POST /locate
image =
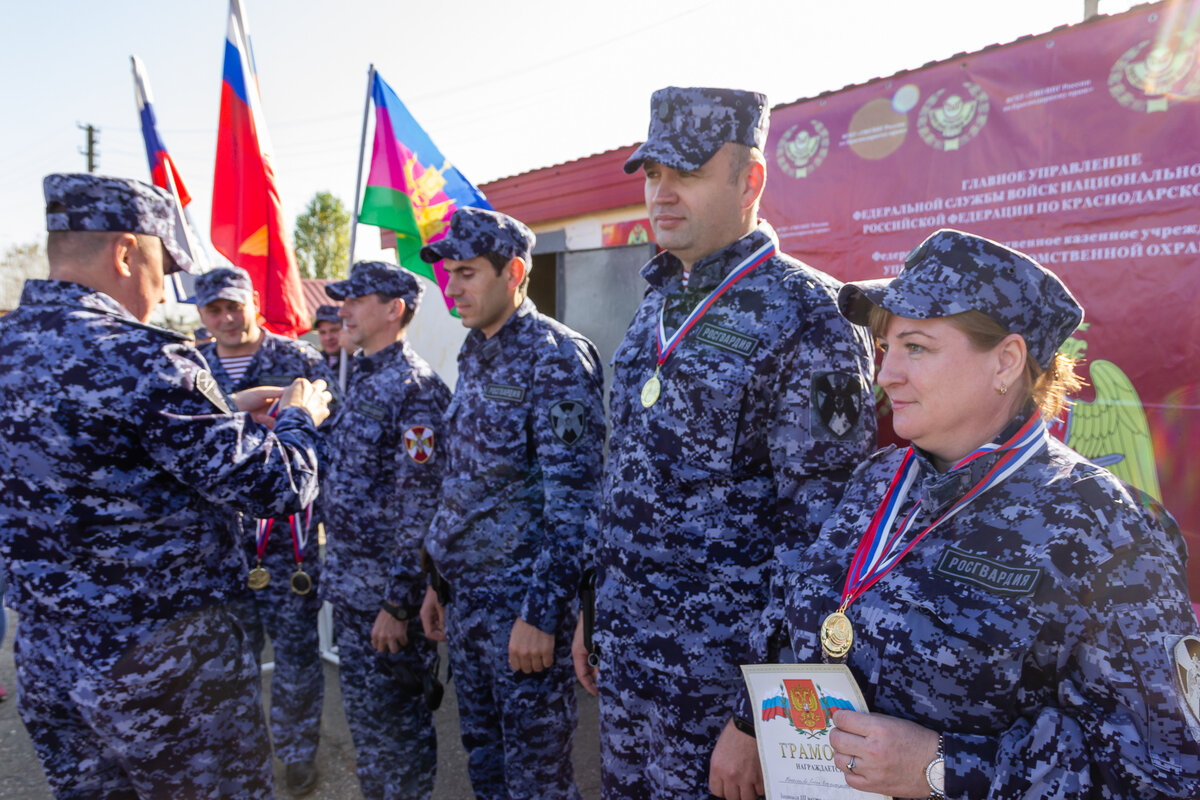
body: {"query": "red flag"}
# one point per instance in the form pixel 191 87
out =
pixel 247 216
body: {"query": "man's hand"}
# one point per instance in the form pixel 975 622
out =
pixel 433 616
pixel 258 401
pixel 529 649
pixel 584 671
pixel 312 397
pixel 890 754
pixel 389 633
pixel 734 771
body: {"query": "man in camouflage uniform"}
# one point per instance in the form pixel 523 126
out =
pixel 328 326
pixel 286 608
pixel 378 496
pixel 730 443
pixel 523 454
pixel 122 468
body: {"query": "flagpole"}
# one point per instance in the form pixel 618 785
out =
pixel 362 148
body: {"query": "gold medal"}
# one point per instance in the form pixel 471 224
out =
pixel 837 634
pixel 301 582
pixel 259 578
pixel 651 390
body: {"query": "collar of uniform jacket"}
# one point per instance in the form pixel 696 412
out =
pixel 65 293
pixel 940 490
pixel 378 359
pixel 39 292
pixel 490 348
pixel 709 271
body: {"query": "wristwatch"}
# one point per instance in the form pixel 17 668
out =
pixel 935 775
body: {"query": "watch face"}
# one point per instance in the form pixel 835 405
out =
pixel 937 775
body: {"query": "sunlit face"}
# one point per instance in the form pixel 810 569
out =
pixel 232 324
pixel 370 321
pixel 327 334
pixel 942 390
pixel 694 212
pixel 484 299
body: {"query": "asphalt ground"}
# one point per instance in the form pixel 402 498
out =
pixel 21 776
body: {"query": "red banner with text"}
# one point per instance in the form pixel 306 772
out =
pixel 1080 147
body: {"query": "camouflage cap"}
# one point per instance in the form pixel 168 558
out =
pixel 224 283
pixel 476 231
pixel 952 272
pixel 85 202
pixel 326 313
pixel 378 277
pixel 689 125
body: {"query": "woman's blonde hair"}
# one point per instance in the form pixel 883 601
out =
pixel 1047 388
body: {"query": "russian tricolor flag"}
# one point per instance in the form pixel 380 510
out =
pixel 156 152
pixel 247 216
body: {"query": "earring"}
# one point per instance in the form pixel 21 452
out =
pixel 1003 388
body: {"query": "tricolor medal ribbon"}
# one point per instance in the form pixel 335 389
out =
pixel 301 581
pixel 878 552
pixel 666 344
pixel 259 577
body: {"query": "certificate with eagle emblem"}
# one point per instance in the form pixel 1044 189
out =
pixel 793 714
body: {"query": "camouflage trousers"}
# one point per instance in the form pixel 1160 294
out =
pixel 144 711
pixel 517 729
pixel 657 730
pixel 393 732
pixel 298 682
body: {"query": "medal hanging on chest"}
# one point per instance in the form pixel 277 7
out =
pixel 652 388
pixel 259 578
pixel 878 552
pixel 301 581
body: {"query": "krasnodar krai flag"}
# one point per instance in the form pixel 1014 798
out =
pixel 247 216
pixel 412 189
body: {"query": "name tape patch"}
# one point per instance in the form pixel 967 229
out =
pixel 509 394
pixel 991 575
pixel 377 413
pixel 728 340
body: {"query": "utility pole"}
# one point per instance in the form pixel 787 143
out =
pixel 93 139
pixel 1091 8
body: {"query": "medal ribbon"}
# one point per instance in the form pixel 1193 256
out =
pixel 261 534
pixel 667 344
pixel 878 552
pixel 300 532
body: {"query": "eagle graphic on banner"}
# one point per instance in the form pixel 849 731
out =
pixel 1112 430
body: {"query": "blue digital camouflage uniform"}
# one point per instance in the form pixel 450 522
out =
pixel 1036 629
pixel 120 479
pixel 384 453
pixel 290 619
pixel 765 409
pixel 523 449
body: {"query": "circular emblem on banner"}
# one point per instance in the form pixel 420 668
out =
pixel 418 443
pixel 568 421
pixel 951 117
pixel 802 148
pixel 1150 75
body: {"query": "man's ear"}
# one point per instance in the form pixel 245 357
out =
pixel 396 308
pixel 121 250
pixel 753 181
pixel 516 275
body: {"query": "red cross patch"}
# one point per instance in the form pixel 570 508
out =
pixel 418 443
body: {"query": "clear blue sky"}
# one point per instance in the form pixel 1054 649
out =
pixel 501 87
